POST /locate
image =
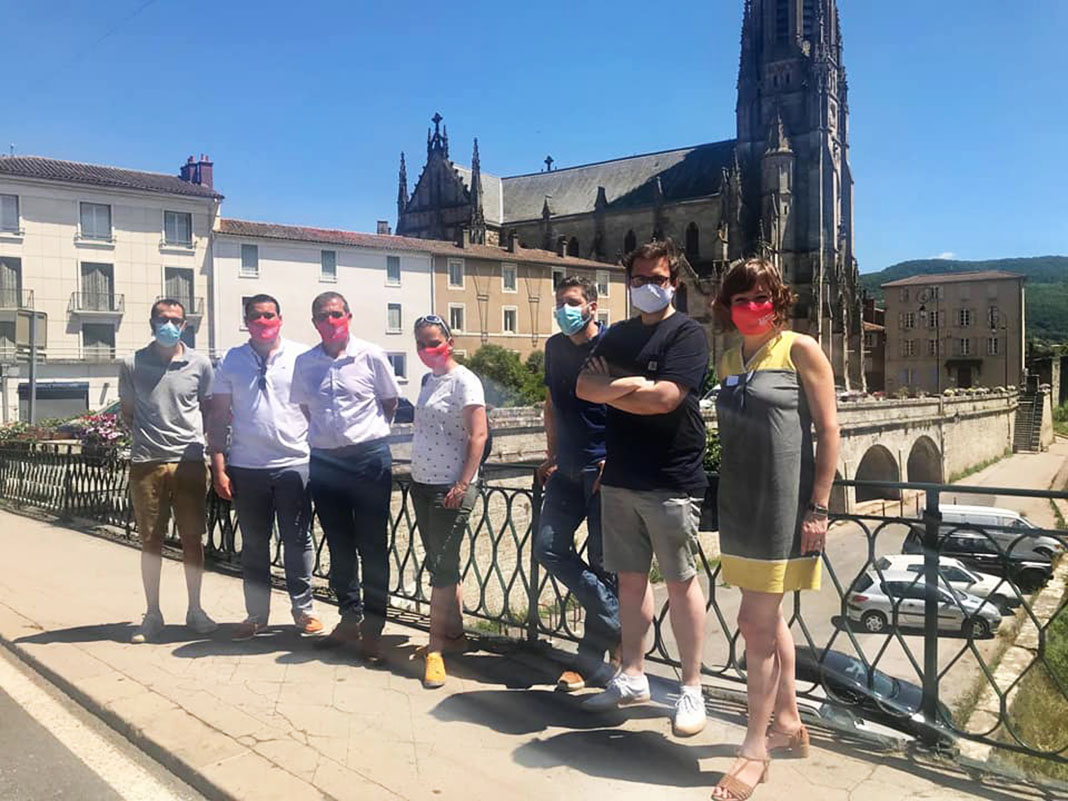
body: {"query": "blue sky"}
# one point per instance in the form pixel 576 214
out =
pixel 958 115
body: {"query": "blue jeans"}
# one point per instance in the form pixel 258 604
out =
pixel 351 487
pixel 569 497
pixel 260 497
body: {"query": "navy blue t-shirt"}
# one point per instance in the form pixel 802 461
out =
pixel 579 424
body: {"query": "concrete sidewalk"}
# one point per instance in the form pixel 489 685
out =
pixel 276 718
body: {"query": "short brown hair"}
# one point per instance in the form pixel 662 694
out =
pixel 656 250
pixel 166 302
pixel 744 275
pixel 588 287
pixel 325 297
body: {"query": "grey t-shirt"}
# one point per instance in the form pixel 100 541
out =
pixel 167 423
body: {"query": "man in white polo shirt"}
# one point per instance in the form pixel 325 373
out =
pixel 266 472
pixel 349 393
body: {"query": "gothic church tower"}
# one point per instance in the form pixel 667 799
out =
pixel 796 188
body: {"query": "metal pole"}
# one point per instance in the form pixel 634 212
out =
pixel 932 517
pixel 535 568
pixel 33 364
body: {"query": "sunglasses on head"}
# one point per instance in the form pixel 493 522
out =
pixel 433 319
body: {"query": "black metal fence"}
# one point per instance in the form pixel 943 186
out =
pixel 909 630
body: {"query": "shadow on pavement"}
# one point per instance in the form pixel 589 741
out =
pixel 121 633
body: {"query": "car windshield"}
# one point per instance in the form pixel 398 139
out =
pixel 881 684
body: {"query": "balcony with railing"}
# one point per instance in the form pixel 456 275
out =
pixel 14 299
pixel 97 304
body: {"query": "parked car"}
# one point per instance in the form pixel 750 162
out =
pixel 1027 568
pixel 955 575
pixel 899 599
pixel 1008 528
pixel 883 699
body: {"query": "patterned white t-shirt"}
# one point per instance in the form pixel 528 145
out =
pixel 439 441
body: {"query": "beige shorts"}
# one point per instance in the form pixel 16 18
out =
pixel 637 524
pixel 158 487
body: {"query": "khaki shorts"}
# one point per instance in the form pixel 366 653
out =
pixel 637 524
pixel 158 487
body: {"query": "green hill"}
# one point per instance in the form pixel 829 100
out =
pixel 1046 290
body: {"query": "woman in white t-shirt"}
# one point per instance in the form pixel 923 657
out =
pixel 449 436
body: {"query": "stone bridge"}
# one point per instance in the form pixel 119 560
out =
pixel 917 439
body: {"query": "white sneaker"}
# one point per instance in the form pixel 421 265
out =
pixel 198 621
pixel 690 717
pixel 150 629
pixel 622 690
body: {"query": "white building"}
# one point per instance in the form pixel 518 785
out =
pixel 89 249
pixel 386 280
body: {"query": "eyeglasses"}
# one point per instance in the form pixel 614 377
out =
pixel 335 315
pixel 433 319
pixel 641 280
pixel 262 380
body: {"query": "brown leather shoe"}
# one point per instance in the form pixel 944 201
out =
pixel 346 634
pixel 570 681
pixel 308 625
pixel 796 745
pixel 371 648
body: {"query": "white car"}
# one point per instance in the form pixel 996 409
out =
pixel 954 574
pixel 1007 528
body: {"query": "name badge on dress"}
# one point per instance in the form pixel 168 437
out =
pixel 732 380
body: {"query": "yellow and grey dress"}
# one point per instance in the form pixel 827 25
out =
pixel 767 470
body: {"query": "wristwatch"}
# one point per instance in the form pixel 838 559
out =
pixel 818 509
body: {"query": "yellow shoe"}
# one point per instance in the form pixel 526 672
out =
pixel 434 676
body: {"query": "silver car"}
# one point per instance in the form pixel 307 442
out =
pixel 899 599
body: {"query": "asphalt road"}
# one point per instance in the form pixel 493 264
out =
pixel 51 748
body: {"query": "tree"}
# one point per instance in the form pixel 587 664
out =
pixel 507 381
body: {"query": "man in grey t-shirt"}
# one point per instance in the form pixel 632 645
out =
pixel 163 389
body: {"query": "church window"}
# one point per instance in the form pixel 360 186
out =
pixel 782 20
pixel 809 20
pixel 693 246
pixel 630 242
pixel 572 246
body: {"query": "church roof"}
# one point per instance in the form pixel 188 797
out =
pixel 953 278
pixel 689 172
pixel 75 172
pixel 358 239
pixel 492 195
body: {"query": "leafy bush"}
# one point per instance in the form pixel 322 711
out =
pixel 506 379
pixel 713 450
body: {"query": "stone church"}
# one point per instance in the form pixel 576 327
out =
pixel 783 188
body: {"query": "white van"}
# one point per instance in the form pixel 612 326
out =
pixel 1004 526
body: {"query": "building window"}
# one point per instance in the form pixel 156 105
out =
pixel 510 324
pixel 178 285
pixel 630 242
pixel 573 247
pixel 96 221
pixel 98 342
pixel 693 241
pixel 604 318
pixel 244 302
pixel 98 287
pixel 904 295
pixel 400 365
pixel 456 273
pixel 965 345
pixel 328 265
pixel 456 316
pixel 250 261
pixel 992 346
pixel 908 347
pixel 869 340
pixel 10 283
pixel 908 320
pixel 964 317
pixel 9 212
pixel 993 316
pixel 509 278
pixel 934 319
pixel 558 276
pixel 178 228
pixel 602 283
pixel 393 277
pixel 932 347
pixel 393 318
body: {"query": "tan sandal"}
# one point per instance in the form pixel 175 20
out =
pixel 797 744
pixel 739 790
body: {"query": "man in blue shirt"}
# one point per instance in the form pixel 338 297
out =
pixel 574 431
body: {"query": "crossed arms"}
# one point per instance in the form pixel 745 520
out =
pixel 632 393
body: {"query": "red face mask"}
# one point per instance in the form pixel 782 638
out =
pixel 436 358
pixel 263 330
pixel 333 329
pixel 753 319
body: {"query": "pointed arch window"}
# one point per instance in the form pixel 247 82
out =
pixel 782 21
pixel 573 246
pixel 630 242
pixel 693 243
pixel 809 19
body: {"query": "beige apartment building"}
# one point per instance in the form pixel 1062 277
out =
pixel 954 330
pixel 86 250
pixel 506 295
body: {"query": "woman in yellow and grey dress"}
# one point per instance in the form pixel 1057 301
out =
pixel 776 386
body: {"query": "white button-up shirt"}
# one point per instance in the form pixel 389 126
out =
pixel 344 395
pixel 268 430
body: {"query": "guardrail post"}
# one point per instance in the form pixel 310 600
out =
pixel 932 519
pixel 67 502
pixel 535 568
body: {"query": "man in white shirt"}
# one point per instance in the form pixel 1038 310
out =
pixel 266 471
pixel 348 392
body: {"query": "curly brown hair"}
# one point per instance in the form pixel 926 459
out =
pixel 656 250
pixel 745 275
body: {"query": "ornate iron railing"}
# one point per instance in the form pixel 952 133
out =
pixel 929 659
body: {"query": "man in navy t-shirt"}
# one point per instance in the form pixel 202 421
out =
pixel 574 430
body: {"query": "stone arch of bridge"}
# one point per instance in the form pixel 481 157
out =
pixel 878 464
pixel 925 461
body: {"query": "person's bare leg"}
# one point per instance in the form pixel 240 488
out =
pixel 151 566
pixel 635 618
pixel 687 612
pixel 786 717
pixel 193 562
pixel 758 620
pixel 444 613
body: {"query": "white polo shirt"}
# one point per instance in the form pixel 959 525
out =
pixel 268 430
pixel 344 395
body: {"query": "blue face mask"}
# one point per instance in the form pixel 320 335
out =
pixel 571 319
pixel 168 334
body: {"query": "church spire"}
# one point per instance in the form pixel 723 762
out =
pixel 437 142
pixel 402 188
pixel 478 218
